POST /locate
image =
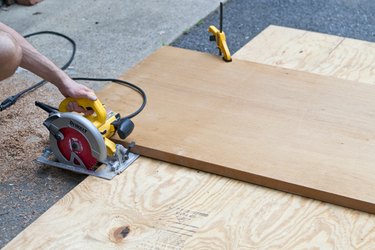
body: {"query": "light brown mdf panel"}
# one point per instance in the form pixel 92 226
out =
pixel 289 130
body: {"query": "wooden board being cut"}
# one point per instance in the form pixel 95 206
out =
pixel 284 129
pixel 240 215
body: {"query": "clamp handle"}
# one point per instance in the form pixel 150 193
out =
pixel 98 118
pixel 221 42
pixel 219 36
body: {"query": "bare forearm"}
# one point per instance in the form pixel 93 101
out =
pixel 43 67
pixel 35 62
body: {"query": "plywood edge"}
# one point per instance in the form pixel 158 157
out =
pixel 289 29
pixel 300 31
pixel 264 181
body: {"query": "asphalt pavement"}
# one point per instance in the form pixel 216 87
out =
pixel 244 19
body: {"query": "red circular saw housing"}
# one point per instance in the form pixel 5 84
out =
pixel 75 142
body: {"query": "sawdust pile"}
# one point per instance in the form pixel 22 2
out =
pixel 27 189
pixel 23 134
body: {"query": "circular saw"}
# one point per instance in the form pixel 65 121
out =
pixel 81 143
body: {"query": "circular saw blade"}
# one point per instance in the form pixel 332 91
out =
pixel 75 148
pixel 82 145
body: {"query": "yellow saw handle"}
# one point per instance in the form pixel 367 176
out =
pixel 98 118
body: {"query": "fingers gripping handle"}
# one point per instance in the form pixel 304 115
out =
pixel 99 116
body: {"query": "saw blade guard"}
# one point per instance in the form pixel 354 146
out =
pixel 81 143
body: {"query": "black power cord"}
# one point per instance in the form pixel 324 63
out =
pixel 12 99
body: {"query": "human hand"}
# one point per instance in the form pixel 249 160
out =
pixel 73 89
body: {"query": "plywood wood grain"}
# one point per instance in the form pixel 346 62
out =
pixel 312 52
pixel 289 48
pixel 155 205
pixel 283 129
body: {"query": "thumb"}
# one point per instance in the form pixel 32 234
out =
pixel 91 96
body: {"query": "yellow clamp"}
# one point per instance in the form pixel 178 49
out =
pixel 221 42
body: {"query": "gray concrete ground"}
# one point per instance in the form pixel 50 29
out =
pixel 113 37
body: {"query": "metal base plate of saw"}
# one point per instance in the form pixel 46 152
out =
pixel 106 171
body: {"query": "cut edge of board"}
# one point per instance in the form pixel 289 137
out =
pixel 260 180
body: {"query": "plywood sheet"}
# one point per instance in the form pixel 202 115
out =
pixel 155 205
pixel 283 129
pixel 312 52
